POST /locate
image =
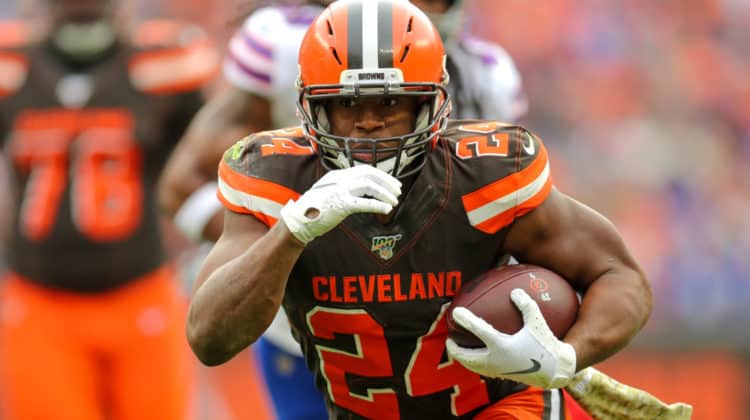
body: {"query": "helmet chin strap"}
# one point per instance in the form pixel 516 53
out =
pixel 84 42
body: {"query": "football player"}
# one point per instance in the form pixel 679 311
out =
pixel 367 219
pixel 259 94
pixel 93 319
pixel 261 68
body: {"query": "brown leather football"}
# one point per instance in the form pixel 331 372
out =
pixel 488 297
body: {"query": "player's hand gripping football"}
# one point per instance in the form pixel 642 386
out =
pixel 339 193
pixel 533 355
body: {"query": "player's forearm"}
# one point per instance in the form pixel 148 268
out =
pixel 195 160
pixel 181 176
pixel 213 229
pixel 238 301
pixel 169 199
pixel 613 310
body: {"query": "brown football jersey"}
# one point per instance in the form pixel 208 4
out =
pixel 85 145
pixel 366 300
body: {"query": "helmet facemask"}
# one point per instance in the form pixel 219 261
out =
pixel 409 153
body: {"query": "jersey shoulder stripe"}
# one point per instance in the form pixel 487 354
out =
pixel 14 64
pixel 258 50
pixel 14 34
pixel 245 67
pixel 246 194
pixel 497 204
pixel 249 62
pixel 14 70
pixel 162 33
pixel 172 58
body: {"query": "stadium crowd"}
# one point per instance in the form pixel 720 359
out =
pixel 649 104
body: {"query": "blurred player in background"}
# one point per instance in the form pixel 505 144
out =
pixel 92 317
pixel 261 69
pixel 347 217
pixel 484 80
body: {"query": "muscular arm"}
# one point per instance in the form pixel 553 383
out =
pixel 584 247
pixel 227 117
pixel 240 287
pixel 242 281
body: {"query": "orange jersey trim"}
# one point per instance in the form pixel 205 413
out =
pixel 496 205
pixel 174 70
pixel 256 186
pixel 506 218
pixel 14 69
pixel 160 33
pixel 530 404
pixel 506 185
pixel 14 34
pixel 249 195
pixel 264 218
pixel 230 205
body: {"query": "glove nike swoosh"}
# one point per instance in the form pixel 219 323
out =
pixel 534 367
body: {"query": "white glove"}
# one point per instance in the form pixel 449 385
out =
pixel 533 355
pixel 339 193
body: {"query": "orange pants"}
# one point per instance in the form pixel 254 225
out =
pixel 535 404
pixel 118 355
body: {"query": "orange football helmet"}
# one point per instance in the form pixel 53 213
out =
pixel 371 48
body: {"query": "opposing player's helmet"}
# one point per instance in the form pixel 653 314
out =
pixel 366 48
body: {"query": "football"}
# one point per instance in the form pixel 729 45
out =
pixel 488 297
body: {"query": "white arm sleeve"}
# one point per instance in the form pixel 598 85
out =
pixel 195 213
pixel 280 334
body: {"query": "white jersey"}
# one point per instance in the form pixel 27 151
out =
pixel 262 59
pixel 484 81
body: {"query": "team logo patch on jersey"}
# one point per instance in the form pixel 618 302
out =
pixel 383 245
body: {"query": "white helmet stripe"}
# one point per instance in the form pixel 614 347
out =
pixel 370 34
pixel 370 50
